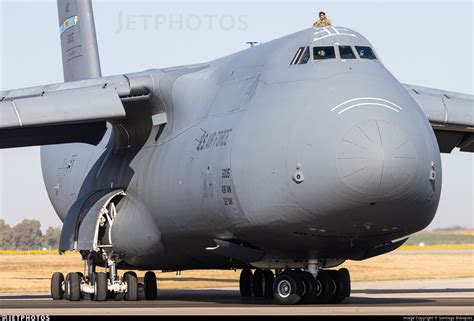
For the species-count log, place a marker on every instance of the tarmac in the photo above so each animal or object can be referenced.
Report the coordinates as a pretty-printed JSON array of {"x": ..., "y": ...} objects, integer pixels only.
[{"x": 407, "y": 298}]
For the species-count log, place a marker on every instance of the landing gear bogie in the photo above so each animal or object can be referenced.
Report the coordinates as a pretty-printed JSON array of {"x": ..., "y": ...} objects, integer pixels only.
[{"x": 301, "y": 287}]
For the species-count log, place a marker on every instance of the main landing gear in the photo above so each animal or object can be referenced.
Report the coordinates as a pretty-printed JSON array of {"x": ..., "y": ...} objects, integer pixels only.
[
  {"x": 101, "y": 286},
  {"x": 296, "y": 286}
]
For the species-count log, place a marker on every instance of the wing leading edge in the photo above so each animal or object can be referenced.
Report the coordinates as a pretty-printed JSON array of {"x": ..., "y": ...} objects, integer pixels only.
[{"x": 451, "y": 115}]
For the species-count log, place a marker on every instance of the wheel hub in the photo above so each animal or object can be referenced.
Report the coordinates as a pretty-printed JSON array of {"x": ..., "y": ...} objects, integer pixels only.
[{"x": 284, "y": 289}]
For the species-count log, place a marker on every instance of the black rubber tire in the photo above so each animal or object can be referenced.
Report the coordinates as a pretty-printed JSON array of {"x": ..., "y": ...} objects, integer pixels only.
[
  {"x": 245, "y": 283},
  {"x": 100, "y": 287},
  {"x": 150, "y": 287},
  {"x": 257, "y": 283},
  {"x": 130, "y": 272},
  {"x": 57, "y": 292},
  {"x": 345, "y": 275},
  {"x": 310, "y": 286},
  {"x": 288, "y": 288},
  {"x": 341, "y": 287},
  {"x": 132, "y": 287},
  {"x": 72, "y": 287},
  {"x": 327, "y": 288},
  {"x": 268, "y": 278}
]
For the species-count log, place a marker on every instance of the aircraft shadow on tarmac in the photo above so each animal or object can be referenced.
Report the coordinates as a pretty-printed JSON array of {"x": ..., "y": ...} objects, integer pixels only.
[{"x": 183, "y": 279}]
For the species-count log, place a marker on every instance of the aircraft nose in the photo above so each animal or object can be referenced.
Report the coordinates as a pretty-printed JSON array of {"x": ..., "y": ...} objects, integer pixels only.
[
  {"x": 374, "y": 163},
  {"x": 376, "y": 158}
]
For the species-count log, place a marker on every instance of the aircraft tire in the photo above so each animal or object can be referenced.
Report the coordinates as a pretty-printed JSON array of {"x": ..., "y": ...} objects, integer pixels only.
[
  {"x": 72, "y": 291},
  {"x": 129, "y": 272},
  {"x": 342, "y": 286},
  {"x": 132, "y": 287},
  {"x": 257, "y": 283},
  {"x": 100, "y": 287},
  {"x": 150, "y": 287},
  {"x": 288, "y": 288},
  {"x": 57, "y": 292},
  {"x": 310, "y": 288},
  {"x": 326, "y": 288},
  {"x": 269, "y": 278},
  {"x": 346, "y": 277},
  {"x": 245, "y": 283}
]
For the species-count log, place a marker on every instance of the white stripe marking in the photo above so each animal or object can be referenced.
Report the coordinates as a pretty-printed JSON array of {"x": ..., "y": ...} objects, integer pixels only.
[
  {"x": 317, "y": 33},
  {"x": 339, "y": 34},
  {"x": 367, "y": 98},
  {"x": 367, "y": 104}
]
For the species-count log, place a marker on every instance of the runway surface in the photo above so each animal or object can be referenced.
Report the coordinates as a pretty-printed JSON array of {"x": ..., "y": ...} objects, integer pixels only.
[{"x": 428, "y": 297}]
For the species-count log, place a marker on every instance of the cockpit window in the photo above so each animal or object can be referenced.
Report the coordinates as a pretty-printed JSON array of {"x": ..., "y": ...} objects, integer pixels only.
[
  {"x": 297, "y": 56},
  {"x": 306, "y": 56},
  {"x": 322, "y": 53},
  {"x": 366, "y": 53},
  {"x": 346, "y": 52}
]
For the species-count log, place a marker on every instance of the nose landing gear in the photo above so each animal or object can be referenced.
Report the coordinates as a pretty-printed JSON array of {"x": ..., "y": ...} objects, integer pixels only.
[{"x": 100, "y": 286}]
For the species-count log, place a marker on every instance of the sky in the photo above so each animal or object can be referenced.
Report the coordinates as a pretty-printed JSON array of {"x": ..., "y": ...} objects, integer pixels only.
[{"x": 426, "y": 43}]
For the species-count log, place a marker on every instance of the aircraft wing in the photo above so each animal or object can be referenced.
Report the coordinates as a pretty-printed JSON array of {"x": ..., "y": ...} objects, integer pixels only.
[
  {"x": 451, "y": 115},
  {"x": 69, "y": 112}
]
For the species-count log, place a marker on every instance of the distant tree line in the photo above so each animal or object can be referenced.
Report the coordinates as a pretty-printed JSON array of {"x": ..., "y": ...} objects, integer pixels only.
[{"x": 27, "y": 236}]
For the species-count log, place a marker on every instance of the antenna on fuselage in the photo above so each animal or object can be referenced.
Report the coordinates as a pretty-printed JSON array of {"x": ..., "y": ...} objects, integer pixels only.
[{"x": 252, "y": 43}]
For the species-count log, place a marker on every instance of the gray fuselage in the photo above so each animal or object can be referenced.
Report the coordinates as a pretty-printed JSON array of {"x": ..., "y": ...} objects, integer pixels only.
[{"x": 323, "y": 160}]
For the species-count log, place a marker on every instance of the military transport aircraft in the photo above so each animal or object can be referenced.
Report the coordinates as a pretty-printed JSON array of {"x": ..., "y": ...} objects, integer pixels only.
[{"x": 283, "y": 160}]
